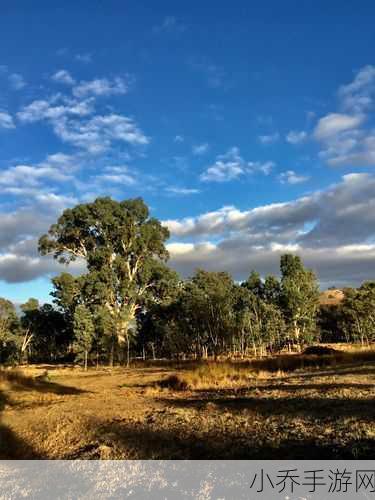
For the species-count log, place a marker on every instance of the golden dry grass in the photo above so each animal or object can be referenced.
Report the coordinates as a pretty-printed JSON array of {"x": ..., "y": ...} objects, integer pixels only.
[
  {"x": 232, "y": 374},
  {"x": 228, "y": 410}
]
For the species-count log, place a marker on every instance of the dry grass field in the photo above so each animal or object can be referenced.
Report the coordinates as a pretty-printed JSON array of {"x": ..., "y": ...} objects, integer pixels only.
[{"x": 297, "y": 406}]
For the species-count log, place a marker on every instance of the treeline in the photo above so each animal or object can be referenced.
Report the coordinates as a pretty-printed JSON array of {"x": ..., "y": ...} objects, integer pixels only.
[
  {"x": 352, "y": 319},
  {"x": 129, "y": 303},
  {"x": 35, "y": 333},
  {"x": 211, "y": 315}
]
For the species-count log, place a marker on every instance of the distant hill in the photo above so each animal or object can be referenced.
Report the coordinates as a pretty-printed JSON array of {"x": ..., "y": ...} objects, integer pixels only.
[{"x": 331, "y": 297}]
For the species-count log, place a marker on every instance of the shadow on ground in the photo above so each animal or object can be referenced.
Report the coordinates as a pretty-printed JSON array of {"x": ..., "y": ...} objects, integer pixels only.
[
  {"x": 11, "y": 445},
  {"x": 129, "y": 440},
  {"x": 289, "y": 406}
]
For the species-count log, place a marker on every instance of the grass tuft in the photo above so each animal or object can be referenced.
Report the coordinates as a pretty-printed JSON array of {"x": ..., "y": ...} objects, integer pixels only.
[
  {"x": 174, "y": 382},
  {"x": 234, "y": 374}
]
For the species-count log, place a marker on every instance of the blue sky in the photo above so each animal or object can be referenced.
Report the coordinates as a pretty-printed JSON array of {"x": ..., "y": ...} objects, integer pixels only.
[{"x": 248, "y": 128}]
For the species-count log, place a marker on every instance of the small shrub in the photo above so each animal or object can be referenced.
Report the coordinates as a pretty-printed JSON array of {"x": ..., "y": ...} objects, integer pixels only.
[{"x": 174, "y": 382}]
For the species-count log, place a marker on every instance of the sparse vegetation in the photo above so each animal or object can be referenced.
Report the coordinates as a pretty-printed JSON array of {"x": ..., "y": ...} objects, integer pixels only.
[
  {"x": 220, "y": 375},
  {"x": 211, "y": 411},
  {"x": 241, "y": 372}
]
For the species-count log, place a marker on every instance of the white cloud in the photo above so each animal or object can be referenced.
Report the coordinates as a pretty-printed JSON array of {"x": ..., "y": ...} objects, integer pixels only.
[
  {"x": 296, "y": 137},
  {"x": 339, "y": 266},
  {"x": 269, "y": 139},
  {"x": 98, "y": 133},
  {"x": 119, "y": 174},
  {"x": 178, "y": 138},
  {"x": 15, "y": 268},
  {"x": 6, "y": 120},
  {"x": 226, "y": 168},
  {"x": 344, "y": 136},
  {"x": 29, "y": 175},
  {"x": 68, "y": 118},
  {"x": 334, "y": 123},
  {"x": 357, "y": 96},
  {"x": 180, "y": 248},
  {"x": 16, "y": 81},
  {"x": 231, "y": 166},
  {"x": 169, "y": 24},
  {"x": 84, "y": 58},
  {"x": 290, "y": 177},
  {"x": 101, "y": 87},
  {"x": 329, "y": 207},
  {"x": 333, "y": 231},
  {"x": 266, "y": 167},
  {"x": 200, "y": 149},
  {"x": 63, "y": 76},
  {"x": 356, "y": 149},
  {"x": 19, "y": 233},
  {"x": 181, "y": 190},
  {"x": 30, "y": 179},
  {"x": 54, "y": 108}
]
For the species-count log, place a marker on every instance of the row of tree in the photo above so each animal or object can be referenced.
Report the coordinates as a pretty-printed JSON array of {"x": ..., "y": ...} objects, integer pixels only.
[
  {"x": 38, "y": 333},
  {"x": 352, "y": 319},
  {"x": 129, "y": 302},
  {"x": 211, "y": 315}
]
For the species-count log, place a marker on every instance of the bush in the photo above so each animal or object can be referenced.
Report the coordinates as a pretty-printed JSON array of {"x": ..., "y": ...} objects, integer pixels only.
[{"x": 174, "y": 382}]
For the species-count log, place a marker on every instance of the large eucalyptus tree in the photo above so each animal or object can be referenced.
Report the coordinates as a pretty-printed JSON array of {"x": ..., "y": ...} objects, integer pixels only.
[{"x": 124, "y": 252}]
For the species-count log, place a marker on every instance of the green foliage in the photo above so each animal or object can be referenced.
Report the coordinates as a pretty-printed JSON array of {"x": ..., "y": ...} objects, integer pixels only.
[
  {"x": 123, "y": 248},
  {"x": 259, "y": 323},
  {"x": 66, "y": 293},
  {"x": 299, "y": 298},
  {"x": 30, "y": 306},
  {"x": 254, "y": 284},
  {"x": 51, "y": 334},
  {"x": 84, "y": 333},
  {"x": 272, "y": 290},
  {"x": 211, "y": 315},
  {"x": 29, "y": 324},
  {"x": 209, "y": 300},
  {"x": 128, "y": 297},
  {"x": 358, "y": 313},
  {"x": 9, "y": 331},
  {"x": 330, "y": 324}
]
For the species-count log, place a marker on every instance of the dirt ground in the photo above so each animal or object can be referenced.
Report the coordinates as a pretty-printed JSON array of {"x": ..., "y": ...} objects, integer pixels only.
[{"x": 123, "y": 414}]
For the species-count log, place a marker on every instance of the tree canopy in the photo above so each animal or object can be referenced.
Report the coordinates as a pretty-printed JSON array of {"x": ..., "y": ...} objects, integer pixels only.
[
  {"x": 124, "y": 252},
  {"x": 128, "y": 299}
]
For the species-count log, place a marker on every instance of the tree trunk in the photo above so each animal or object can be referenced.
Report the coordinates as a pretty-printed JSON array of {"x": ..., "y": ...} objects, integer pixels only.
[
  {"x": 128, "y": 351},
  {"x": 153, "y": 351},
  {"x": 85, "y": 360},
  {"x": 112, "y": 353},
  {"x": 25, "y": 346},
  {"x": 297, "y": 335}
]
